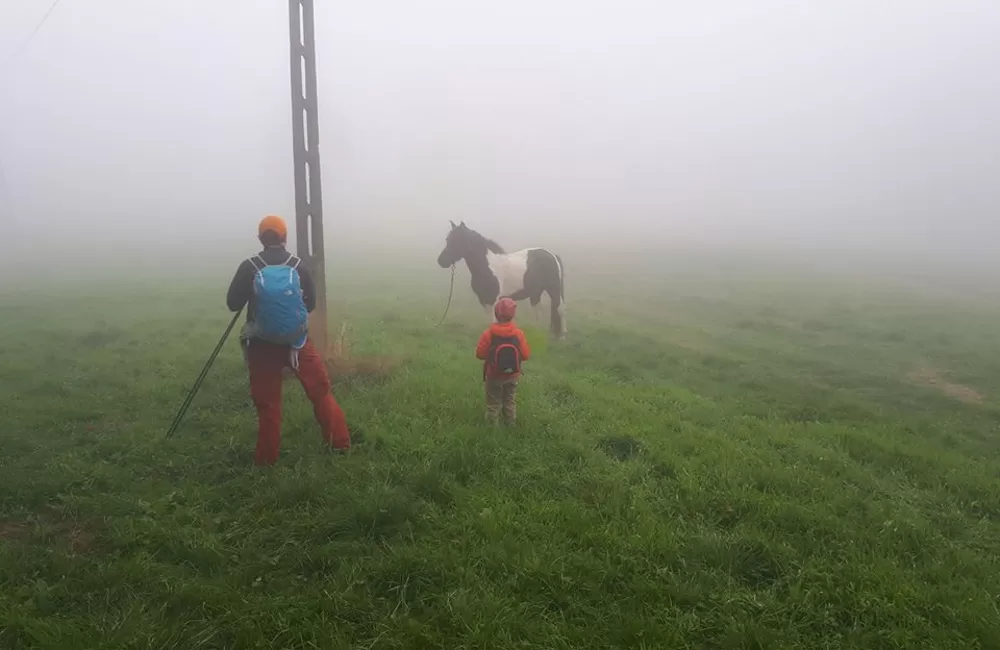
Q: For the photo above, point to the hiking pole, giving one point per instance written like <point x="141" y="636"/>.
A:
<point x="201" y="377"/>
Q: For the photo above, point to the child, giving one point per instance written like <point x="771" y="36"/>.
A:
<point x="502" y="348"/>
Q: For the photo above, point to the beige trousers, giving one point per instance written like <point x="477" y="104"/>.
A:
<point x="501" y="396"/>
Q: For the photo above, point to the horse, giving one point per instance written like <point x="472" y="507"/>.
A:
<point x="526" y="273"/>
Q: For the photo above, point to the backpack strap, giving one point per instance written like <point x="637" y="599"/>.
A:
<point x="262" y="264"/>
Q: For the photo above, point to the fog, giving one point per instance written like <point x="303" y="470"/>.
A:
<point x="840" y="129"/>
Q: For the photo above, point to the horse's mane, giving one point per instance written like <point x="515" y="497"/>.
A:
<point x="494" y="247"/>
<point x="491" y="245"/>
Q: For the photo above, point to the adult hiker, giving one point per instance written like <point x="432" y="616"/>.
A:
<point x="280" y="291"/>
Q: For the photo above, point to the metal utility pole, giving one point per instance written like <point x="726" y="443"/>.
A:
<point x="305" y="142"/>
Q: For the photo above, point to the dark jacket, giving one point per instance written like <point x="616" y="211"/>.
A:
<point x="241" y="288"/>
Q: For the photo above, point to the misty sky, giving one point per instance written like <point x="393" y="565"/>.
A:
<point x="148" y="122"/>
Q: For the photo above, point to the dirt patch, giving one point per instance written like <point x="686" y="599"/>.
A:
<point x="927" y="376"/>
<point x="621" y="447"/>
<point x="75" y="537"/>
<point x="13" y="530"/>
<point x="68" y="534"/>
<point x="101" y="337"/>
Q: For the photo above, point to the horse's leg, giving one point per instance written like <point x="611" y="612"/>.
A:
<point x="535" y="300"/>
<point x="555" y="317"/>
<point x="491" y="308"/>
<point x="526" y="292"/>
<point x="557" y="321"/>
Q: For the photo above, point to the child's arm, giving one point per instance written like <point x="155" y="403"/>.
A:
<point x="525" y="348"/>
<point x="483" y="346"/>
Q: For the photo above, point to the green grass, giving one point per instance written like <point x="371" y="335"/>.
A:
<point x="709" y="461"/>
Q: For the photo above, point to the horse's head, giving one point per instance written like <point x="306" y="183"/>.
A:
<point x="455" y="245"/>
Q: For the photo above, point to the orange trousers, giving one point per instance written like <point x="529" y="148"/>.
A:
<point x="266" y="362"/>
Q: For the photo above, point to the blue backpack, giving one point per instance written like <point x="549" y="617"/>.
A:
<point x="281" y="316"/>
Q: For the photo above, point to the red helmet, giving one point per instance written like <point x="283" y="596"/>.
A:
<point x="505" y="309"/>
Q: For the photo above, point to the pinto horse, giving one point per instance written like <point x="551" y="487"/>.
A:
<point x="526" y="273"/>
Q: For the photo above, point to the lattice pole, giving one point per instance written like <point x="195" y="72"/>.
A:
<point x="305" y="137"/>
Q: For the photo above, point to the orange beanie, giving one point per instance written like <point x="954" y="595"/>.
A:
<point x="275" y="224"/>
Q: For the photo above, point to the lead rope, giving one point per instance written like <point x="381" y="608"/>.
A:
<point x="451" y="292"/>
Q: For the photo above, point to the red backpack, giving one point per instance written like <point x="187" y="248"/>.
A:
<point x="504" y="357"/>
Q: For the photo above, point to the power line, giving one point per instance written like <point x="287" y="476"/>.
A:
<point x="34" y="33"/>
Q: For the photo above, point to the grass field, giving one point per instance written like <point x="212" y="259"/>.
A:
<point x="711" y="460"/>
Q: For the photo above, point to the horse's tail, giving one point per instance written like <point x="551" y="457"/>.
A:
<point x="562" y="278"/>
